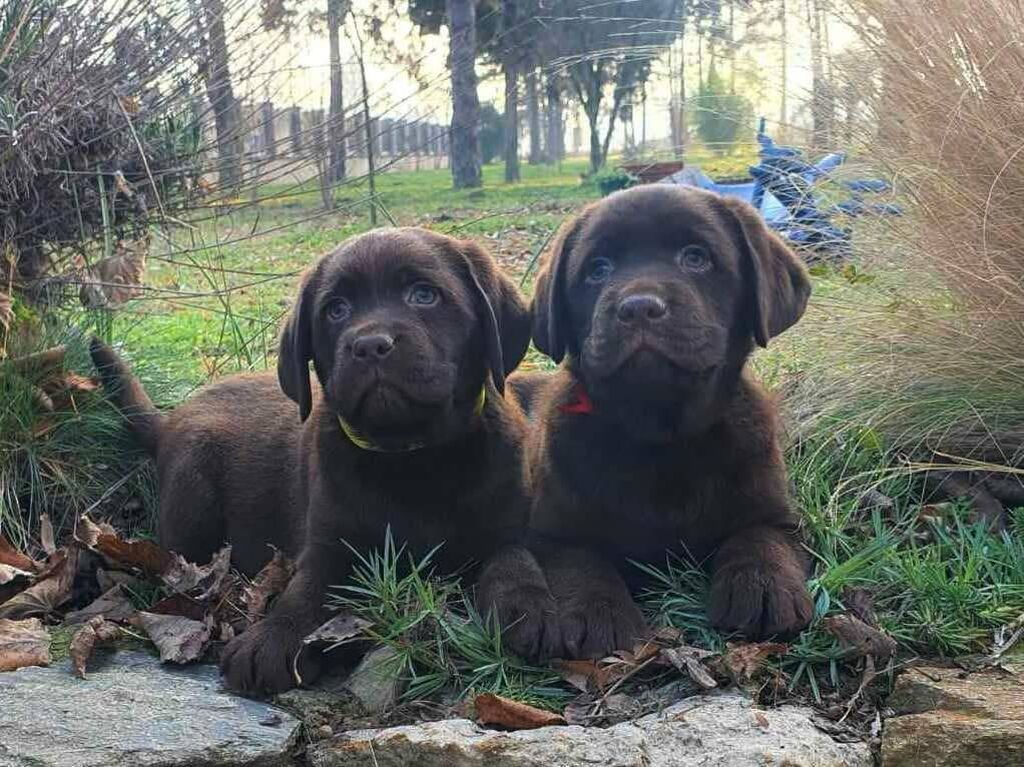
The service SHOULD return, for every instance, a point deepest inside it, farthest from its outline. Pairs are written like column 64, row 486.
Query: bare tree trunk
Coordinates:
column 533, row 118
column 367, row 121
column 732, row 48
column 784, row 42
column 682, row 90
column 511, row 123
column 465, row 143
column 819, row 99
column 227, row 113
column 511, row 66
column 336, row 11
column 556, row 129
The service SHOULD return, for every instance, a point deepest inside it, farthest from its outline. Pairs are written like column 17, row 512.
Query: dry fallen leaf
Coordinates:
column 113, row 604
column 181, row 605
column 11, row 556
column 23, row 643
column 760, row 720
column 50, row 591
column 46, row 538
column 341, row 628
column 183, row 576
column 9, row 574
column 143, row 555
column 94, row 632
column 858, row 638
column 268, row 583
column 495, row 710
column 688, row 660
column 6, row 310
column 114, row 280
column 742, row 661
column 179, row 640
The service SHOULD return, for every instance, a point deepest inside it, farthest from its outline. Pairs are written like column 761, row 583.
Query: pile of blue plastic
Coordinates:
column 782, row 187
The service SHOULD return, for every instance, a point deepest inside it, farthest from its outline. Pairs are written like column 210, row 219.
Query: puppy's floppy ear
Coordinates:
column 296, row 346
column 778, row 281
column 502, row 310
column 552, row 327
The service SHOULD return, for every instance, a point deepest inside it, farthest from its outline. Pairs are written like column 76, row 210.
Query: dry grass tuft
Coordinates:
column 930, row 355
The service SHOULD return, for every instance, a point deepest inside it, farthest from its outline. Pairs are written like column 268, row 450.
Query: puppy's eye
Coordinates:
column 694, row 258
column 422, row 294
column 599, row 270
column 339, row 310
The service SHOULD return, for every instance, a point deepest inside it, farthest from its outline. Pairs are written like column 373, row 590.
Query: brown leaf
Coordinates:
column 181, row 605
column 760, row 720
column 115, row 280
column 183, row 576
column 179, row 640
column 46, row 538
column 11, row 556
column 268, row 583
column 147, row 556
column 6, row 310
column 858, row 638
column 23, row 643
column 9, row 574
column 581, row 674
column 495, row 710
column 743, row 660
column 95, row 631
column 341, row 628
column 579, row 710
column 688, row 660
column 50, row 591
column 40, row 363
column 114, row 605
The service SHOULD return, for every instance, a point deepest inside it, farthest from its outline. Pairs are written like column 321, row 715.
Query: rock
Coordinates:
column 134, row 712
column 722, row 729
column 375, row 682
column 949, row 717
column 321, row 708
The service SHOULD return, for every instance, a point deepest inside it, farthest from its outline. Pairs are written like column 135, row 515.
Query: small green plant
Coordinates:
column 613, row 180
column 441, row 643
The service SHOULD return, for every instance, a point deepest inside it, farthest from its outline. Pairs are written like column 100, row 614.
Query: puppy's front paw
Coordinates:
column 594, row 625
column 528, row 618
column 758, row 603
column 262, row 660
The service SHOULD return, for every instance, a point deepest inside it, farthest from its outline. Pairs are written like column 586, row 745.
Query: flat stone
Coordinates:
column 133, row 711
column 375, row 682
column 949, row 717
column 716, row 730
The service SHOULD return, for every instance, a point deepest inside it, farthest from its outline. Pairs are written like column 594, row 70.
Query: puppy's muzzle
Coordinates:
column 639, row 309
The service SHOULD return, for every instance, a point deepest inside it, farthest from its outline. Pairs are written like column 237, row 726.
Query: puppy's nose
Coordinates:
column 641, row 307
column 373, row 347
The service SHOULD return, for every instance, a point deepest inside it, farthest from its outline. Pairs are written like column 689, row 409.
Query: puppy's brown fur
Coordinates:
column 652, row 435
column 404, row 328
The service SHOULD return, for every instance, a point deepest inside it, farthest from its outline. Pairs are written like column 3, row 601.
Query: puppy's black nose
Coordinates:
column 373, row 347
column 641, row 307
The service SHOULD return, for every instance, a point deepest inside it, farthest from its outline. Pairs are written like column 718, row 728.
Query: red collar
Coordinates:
column 580, row 404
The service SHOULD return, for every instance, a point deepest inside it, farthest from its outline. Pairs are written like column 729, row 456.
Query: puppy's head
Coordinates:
column 403, row 326
column 659, row 291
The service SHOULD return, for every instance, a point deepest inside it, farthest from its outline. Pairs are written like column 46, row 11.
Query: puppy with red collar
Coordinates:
column 653, row 435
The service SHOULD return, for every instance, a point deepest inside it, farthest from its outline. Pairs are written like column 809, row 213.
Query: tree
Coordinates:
column 510, row 56
column 227, row 114
column 533, row 117
column 556, row 130
column 465, row 140
column 610, row 45
column 336, row 12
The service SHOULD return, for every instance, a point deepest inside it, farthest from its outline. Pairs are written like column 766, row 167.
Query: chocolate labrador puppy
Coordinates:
column 653, row 434
column 411, row 335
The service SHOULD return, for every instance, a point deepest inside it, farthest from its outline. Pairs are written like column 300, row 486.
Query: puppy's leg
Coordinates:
column 596, row 612
column 268, row 658
column 191, row 522
column 513, row 587
column 758, row 585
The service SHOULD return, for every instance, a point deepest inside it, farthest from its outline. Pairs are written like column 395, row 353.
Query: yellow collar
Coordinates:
column 362, row 442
